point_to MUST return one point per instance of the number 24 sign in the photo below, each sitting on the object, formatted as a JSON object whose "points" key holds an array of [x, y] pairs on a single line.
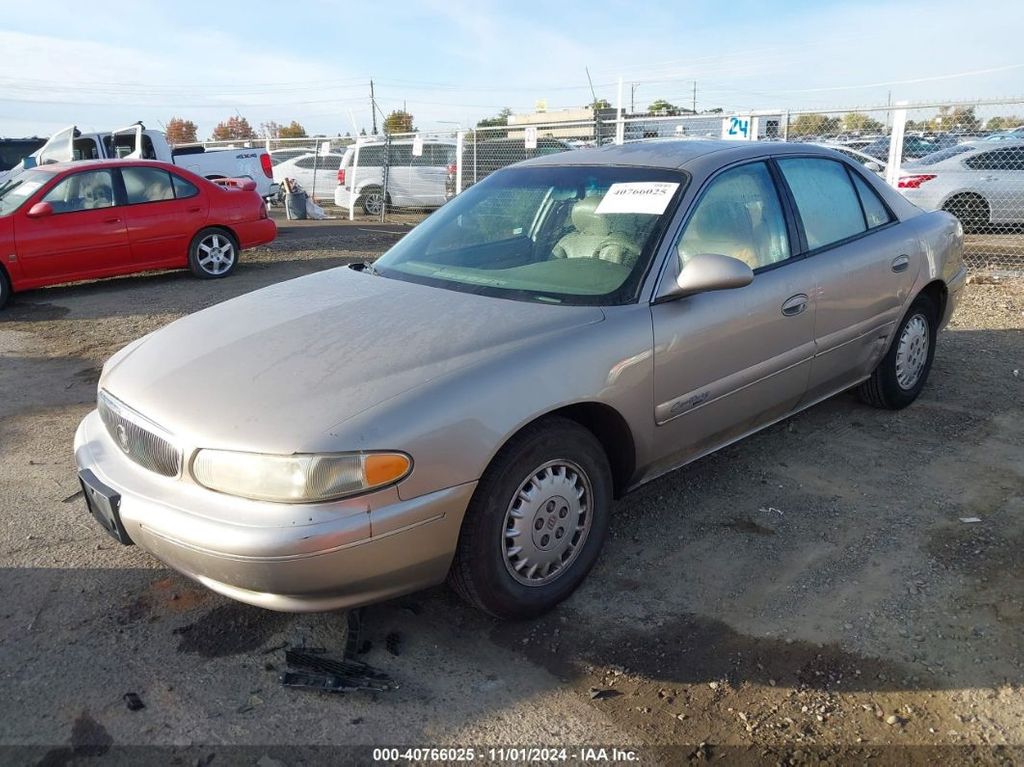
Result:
{"points": [[736, 128]]}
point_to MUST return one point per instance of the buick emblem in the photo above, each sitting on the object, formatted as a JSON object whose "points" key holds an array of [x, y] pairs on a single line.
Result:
{"points": [[122, 437]]}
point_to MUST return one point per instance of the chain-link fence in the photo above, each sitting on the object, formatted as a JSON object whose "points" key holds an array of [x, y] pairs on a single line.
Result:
{"points": [[963, 157]]}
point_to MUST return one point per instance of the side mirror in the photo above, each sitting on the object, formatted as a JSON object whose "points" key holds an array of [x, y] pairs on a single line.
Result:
{"points": [[710, 271], [40, 210]]}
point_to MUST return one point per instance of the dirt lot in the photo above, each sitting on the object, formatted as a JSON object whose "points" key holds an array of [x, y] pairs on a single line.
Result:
{"points": [[808, 594]]}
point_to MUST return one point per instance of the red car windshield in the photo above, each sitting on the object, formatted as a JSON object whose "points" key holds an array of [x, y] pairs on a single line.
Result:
{"points": [[16, 191]]}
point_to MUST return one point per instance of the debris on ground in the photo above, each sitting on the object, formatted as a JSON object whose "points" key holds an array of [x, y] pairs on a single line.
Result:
{"points": [[317, 671], [970, 520], [393, 643], [596, 693], [133, 701]]}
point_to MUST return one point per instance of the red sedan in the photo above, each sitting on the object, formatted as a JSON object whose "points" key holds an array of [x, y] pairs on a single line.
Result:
{"points": [[85, 220]]}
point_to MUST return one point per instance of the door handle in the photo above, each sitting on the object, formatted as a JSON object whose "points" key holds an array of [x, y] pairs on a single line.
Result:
{"points": [[900, 264], [795, 305], [111, 221], [194, 210]]}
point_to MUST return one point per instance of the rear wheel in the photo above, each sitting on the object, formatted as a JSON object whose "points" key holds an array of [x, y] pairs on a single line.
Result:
{"points": [[5, 288], [902, 373], [373, 200], [971, 209], [213, 254], [536, 523]]}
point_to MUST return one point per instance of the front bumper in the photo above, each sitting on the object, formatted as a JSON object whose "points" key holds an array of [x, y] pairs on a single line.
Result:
{"points": [[291, 558]]}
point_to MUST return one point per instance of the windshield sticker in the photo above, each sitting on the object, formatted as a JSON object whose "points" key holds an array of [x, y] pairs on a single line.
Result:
{"points": [[650, 197]]}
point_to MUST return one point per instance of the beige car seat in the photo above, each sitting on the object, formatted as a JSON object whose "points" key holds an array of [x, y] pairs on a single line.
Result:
{"points": [[723, 227], [593, 237]]}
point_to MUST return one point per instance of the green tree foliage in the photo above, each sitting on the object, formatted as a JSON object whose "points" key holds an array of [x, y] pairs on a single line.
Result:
{"points": [[858, 121], [814, 124], [234, 129], [180, 131], [956, 118], [398, 121], [1004, 123], [662, 107], [499, 119], [292, 130]]}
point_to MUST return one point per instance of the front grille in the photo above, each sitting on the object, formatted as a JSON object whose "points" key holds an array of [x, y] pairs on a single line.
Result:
{"points": [[138, 437]]}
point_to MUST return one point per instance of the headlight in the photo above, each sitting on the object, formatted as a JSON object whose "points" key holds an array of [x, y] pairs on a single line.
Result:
{"points": [[300, 478]]}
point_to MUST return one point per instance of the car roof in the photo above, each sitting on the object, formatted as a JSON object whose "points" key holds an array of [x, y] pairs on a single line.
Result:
{"points": [[674, 153], [60, 167]]}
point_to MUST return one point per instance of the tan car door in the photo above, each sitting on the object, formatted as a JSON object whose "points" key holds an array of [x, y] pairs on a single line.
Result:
{"points": [[865, 265], [728, 362]]}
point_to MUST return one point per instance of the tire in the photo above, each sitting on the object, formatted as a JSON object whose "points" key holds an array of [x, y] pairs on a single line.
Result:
{"points": [[971, 209], [560, 459], [213, 254], [902, 373], [371, 199], [5, 288]]}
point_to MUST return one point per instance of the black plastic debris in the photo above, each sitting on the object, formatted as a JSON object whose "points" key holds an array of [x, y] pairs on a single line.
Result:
{"points": [[353, 674], [393, 643], [599, 694], [133, 701]]}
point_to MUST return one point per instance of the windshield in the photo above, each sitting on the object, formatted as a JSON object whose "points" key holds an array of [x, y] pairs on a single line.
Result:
{"points": [[562, 234], [14, 192], [942, 154]]}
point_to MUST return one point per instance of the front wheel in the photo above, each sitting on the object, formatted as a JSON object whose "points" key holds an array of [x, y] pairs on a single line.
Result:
{"points": [[902, 373], [373, 201], [5, 288], [536, 523], [213, 254]]}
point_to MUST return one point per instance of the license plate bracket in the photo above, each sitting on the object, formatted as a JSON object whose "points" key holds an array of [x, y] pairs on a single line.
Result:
{"points": [[104, 503]]}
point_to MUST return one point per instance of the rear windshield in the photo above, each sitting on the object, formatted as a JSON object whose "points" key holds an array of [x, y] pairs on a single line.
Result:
{"points": [[556, 234], [943, 154]]}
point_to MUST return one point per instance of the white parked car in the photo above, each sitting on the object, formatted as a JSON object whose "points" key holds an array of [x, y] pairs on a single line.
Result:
{"points": [[413, 181], [981, 183], [315, 173], [872, 164]]}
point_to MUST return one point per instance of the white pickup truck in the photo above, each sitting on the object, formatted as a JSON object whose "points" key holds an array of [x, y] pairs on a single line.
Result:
{"points": [[137, 142]]}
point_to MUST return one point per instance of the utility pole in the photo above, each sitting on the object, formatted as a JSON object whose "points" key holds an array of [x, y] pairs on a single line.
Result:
{"points": [[695, 97], [373, 108], [632, 97]]}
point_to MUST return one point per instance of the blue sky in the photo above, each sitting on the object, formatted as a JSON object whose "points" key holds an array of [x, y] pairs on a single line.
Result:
{"points": [[450, 60]]}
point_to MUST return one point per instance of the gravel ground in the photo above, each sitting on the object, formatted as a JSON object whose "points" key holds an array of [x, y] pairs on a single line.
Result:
{"points": [[810, 593]]}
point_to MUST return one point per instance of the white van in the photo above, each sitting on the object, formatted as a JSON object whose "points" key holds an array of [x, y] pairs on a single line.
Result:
{"points": [[413, 181]]}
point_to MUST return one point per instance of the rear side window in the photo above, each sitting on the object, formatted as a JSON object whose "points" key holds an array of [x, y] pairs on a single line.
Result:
{"points": [[1000, 159], [875, 212], [147, 185], [183, 188], [825, 198]]}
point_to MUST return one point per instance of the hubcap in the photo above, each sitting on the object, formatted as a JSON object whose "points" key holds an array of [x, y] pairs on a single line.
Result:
{"points": [[374, 203], [547, 522], [216, 254], [912, 352]]}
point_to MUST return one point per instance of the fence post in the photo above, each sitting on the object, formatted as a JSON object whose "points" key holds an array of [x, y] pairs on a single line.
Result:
{"points": [[316, 162], [899, 123], [785, 128], [385, 171], [460, 142], [352, 183], [620, 126]]}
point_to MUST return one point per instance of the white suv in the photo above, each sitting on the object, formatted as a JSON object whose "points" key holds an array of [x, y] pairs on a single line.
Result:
{"points": [[413, 182]]}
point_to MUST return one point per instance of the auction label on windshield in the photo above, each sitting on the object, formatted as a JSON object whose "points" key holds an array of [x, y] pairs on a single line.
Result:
{"points": [[650, 197]]}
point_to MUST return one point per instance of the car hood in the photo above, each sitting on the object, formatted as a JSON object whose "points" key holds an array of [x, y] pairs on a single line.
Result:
{"points": [[276, 369]]}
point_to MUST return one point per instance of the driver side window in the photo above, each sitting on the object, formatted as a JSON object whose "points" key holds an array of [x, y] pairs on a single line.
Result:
{"points": [[82, 191], [740, 216]]}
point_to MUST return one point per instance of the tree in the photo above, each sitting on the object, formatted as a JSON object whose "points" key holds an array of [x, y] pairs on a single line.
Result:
{"points": [[234, 129], [292, 130], [860, 122], [813, 123], [1004, 123], [399, 121], [270, 129], [662, 107], [600, 104], [499, 119], [180, 131], [956, 118]]}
